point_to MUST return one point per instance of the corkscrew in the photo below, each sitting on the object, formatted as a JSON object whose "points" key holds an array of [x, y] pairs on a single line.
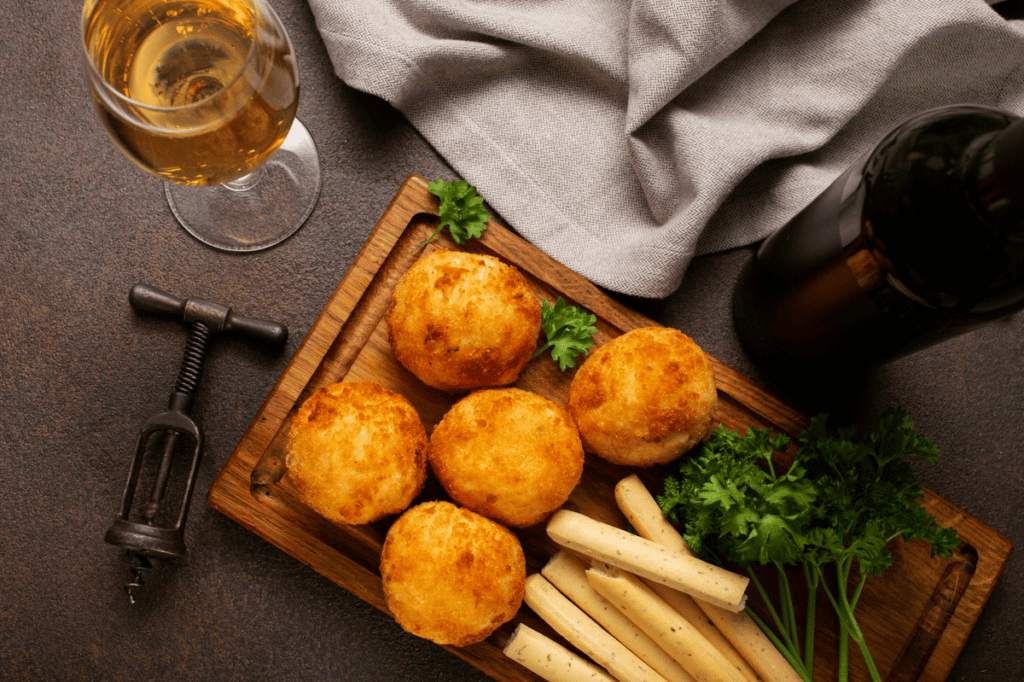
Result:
{"points": [[149, 531]]}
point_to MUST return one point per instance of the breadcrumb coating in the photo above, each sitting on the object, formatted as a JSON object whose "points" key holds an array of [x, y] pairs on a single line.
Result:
{"points": [[357, 452], [509, 454], [644, 398], [460, 321], [451, 575]]}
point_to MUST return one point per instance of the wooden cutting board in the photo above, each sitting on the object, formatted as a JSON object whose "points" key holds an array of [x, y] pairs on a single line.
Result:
{"points": [[916, 616]]}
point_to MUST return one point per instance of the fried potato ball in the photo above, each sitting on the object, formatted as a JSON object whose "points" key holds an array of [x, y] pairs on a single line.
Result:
{"points": [[460, 321], [644, 398], [451, 575], [357, 452], [506, 453]]}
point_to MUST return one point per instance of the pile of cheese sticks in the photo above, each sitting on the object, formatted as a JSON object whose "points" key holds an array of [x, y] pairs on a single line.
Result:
{"points": [[642, 607]]}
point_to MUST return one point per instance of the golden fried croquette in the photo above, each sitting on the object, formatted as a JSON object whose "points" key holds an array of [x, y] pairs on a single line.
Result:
{"points": [[460, 321], [644, 398], [451, 575], [357, 452], [508, 454]]}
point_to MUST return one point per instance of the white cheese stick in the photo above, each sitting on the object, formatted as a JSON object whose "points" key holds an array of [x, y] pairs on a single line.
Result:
{"points": [[660, 621], [567, 573], [750, 640], [551, 660], [688, 607], [648, 559], [582, 632], [644, 514]]}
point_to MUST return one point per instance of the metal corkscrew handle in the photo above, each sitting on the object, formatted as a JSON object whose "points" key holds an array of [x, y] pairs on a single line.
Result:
{"points": [[219, 318]]}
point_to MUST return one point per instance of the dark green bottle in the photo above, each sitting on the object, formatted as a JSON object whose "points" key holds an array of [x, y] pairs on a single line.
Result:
{"points": [[921, 240]]}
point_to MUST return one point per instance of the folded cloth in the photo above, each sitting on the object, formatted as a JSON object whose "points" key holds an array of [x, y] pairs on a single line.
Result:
{"points": [[624, 138]]}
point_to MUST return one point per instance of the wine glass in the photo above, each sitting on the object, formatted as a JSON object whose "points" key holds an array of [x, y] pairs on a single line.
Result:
{"points": [[203, 93]]}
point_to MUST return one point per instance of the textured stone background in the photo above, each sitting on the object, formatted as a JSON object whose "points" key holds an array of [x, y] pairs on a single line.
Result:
{"points": [[79, 372]]}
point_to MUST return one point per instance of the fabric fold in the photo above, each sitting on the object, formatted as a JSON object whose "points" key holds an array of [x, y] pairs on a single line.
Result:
{"points": [[625, 138], [671, 45]]}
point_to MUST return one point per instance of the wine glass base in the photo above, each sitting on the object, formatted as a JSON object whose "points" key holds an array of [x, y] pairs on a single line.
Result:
{"points": [[259, 210]]}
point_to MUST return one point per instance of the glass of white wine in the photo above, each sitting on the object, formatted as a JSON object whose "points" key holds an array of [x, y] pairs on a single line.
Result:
{"points": [[203, 93]]}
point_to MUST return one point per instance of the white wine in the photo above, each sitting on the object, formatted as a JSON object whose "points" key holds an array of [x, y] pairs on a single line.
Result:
{"points": [[198, 92]]}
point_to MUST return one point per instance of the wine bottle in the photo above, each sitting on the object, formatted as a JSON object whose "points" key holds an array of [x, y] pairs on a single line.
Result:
{"points": [[921, 240]]}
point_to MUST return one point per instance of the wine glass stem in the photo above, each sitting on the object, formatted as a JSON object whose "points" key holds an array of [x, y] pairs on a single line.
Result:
{"points": [[246, 182]]}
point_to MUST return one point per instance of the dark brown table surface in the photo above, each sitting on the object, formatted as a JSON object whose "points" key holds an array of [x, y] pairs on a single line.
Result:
{"points": [[80, 372]]}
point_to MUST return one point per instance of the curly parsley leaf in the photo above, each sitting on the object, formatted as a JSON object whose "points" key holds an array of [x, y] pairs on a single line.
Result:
{"points": [[569, 331], [844, 497], [871, 492], [734, 502], [460, 209]]}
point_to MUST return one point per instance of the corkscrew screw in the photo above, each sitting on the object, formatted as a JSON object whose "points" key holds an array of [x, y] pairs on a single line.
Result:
{"points": [[148, 531]]}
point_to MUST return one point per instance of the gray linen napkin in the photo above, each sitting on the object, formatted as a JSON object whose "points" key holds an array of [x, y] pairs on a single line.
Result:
{"points": [[623, 138]]}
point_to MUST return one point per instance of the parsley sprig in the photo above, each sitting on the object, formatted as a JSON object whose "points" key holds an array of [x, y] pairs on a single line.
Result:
{"points": [[569, 331], [461, 210], [832, 511]]}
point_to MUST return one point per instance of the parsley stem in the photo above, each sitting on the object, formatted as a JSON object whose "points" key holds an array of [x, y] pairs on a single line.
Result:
{"points": [[856, 592], [804, 673], [811, 579], [846, 614], [431, 237], [832, 598], [540, 350], [783, 630], [848, 626], [844, 652], [872, 670], [786, 602]]}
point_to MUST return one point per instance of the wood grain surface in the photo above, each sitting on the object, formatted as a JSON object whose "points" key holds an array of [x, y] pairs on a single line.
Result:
{"points": [[916, 616]]}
